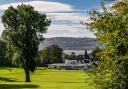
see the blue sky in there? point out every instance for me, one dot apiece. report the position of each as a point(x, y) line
point(65, 15)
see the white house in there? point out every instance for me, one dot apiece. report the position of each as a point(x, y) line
point(69, 64)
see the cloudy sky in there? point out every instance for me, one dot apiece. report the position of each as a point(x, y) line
point(65, 15)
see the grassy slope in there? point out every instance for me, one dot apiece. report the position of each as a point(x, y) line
point(13, 78)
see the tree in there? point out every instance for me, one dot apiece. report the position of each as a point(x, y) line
point(44, 56)
point(66, 56)
point(56, 54)
point(23, 32)
point(111, 28)
point(86, 54)
point(51, 54)
point(73, 56)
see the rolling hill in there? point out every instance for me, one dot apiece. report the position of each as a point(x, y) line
point(69, 43)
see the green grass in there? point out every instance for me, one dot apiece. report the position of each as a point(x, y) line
point(13, 78)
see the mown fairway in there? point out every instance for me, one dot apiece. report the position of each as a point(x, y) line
point(13, 78)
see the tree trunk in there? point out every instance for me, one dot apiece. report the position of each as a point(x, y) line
point(27, 75)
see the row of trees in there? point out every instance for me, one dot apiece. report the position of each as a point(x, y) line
point(49, 55)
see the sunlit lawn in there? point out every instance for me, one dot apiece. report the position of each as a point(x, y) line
point(13, 78)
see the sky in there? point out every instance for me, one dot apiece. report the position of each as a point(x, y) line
point(65, 15)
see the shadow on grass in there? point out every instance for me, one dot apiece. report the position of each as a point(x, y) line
point(17, 86)
point(8, 80)
point(69, 82)
point(6, 68)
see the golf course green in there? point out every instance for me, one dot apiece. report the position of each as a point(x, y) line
point(42, 78)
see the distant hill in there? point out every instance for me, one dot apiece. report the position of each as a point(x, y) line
point(69, 43)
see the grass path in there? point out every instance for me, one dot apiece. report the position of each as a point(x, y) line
point(13, 78)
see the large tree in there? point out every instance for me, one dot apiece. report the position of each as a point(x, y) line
point(24, 28)
point(111, 28)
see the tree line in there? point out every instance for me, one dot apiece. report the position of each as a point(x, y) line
point(49, 55)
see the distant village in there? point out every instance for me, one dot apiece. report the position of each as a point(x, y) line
point(76, 53)
point(76, 60)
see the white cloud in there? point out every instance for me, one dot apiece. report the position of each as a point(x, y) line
point(69, 16)
point(66, 29)
point(62, 33)
point(42, 6)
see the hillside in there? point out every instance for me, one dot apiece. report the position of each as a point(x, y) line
point(69, 43)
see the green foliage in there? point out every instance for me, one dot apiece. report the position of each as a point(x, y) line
point(23, 32)
point(4, 60)
point(111, 28)
point(66, 56)
point(72, 56)
point(96, 54)
point(51, 54)
point(119, 77)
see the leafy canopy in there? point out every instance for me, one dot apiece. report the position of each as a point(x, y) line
point(23, 33)
point(111, 28)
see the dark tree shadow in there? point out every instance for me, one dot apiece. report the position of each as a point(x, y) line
point(8, 79)
point(17, 86)
point(69, 82)
point(4, 67)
